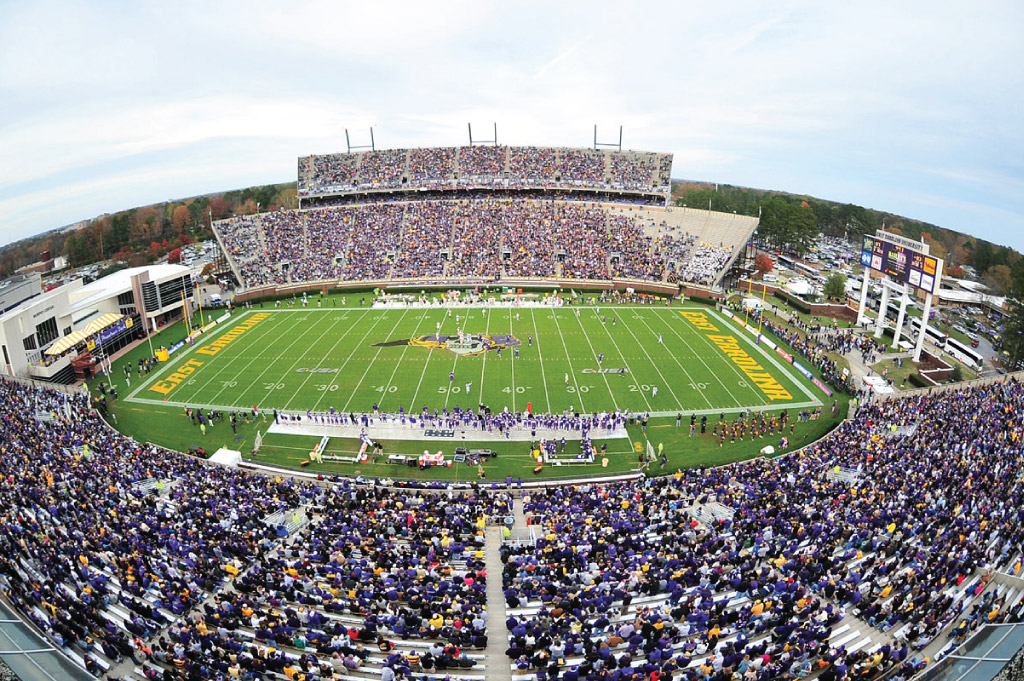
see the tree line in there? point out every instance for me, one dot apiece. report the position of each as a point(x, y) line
point(145, 234)
point(791, 223)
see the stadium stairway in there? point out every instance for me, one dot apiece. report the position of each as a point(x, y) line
point(494, 657)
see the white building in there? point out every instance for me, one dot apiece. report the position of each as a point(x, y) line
point(40, 336)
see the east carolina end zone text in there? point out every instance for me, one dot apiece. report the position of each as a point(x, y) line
point(747, 364)
point(168, 384)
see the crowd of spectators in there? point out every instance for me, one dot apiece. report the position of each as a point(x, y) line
point(486, 166)
point(634, 170)
point(581, 166)
point(482, 419)
point(431, 165)
point(473, 238)
point(88, 551)
point(705, 264)
point(648, 578)
point(482, 164)
point(382, 169)
point(327, 173)
point(122, 550)
point(818, 343)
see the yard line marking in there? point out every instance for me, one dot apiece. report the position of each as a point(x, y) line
point(483, 362)
point(605, 376)
point(243, 393)
point(347, 360)
point(301, 357)
point(680, 364)
point(372, 361)
point(430, 353)
point(665, 381)
point(238, 352)
point(572, 371)
point(512, 358)
point(732, 366)
point(247, 365)
point(327, 355)
point(543, 376)
point(700, 357)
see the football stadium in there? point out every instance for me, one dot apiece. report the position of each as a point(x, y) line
point(488, 412)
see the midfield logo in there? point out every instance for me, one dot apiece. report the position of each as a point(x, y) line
point(467, 345)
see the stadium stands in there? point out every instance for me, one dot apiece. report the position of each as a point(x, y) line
point(488, 167)
point(775, 568)
point(494, 239)
point(767, 568)
point(117, 550)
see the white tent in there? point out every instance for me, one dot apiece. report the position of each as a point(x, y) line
point(800, 286)
point(752, 303)
point(227, 457)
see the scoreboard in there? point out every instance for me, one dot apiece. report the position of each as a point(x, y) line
point(905, 265)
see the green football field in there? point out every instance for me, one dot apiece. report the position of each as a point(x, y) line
point(351, 359)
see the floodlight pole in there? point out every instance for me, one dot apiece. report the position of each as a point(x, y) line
point(348, 143)
point(610, 145)
point(472, 142)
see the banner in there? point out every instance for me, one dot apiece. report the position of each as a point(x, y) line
point(111, 331)
point(785, 355)
point(764, 340)
point(824, 388)
point(802, 369)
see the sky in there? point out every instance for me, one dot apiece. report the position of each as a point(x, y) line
point(909, 107)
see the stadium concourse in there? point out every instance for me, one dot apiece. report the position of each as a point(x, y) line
point(864, 554)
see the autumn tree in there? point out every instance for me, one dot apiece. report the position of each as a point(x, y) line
point(763, 263)
point(999, 278)
point(936, 248)
point(220, 207)
point(180, 218)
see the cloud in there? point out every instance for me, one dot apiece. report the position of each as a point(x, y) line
point(867, 104)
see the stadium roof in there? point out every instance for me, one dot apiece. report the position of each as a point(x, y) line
point(982, 657)
point(30, 656)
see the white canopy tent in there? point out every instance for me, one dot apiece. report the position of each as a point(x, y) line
point(227, 457)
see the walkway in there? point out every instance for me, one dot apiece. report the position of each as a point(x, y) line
point(494, 656)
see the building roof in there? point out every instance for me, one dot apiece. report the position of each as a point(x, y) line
point(952, 296)
point(121, 281)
